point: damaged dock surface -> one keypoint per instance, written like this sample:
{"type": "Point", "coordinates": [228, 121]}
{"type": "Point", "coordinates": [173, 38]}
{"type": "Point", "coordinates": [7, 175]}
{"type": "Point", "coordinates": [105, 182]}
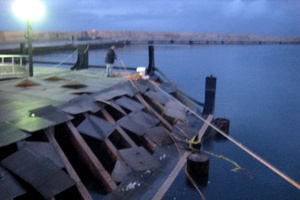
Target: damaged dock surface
{"type": "Point", "coordinates": [66, 133]}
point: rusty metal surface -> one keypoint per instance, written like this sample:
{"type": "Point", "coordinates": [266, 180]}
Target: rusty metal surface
{"type": "Point", "coordinates": [156, 95]}
{"type": "Point", "coordinates": [175, 110]}
{"type": "Point", "coordinates": [138, 122]}
{"type": "Point", "coordinates": [51, 113]}
{"type": "Point", "coordinates": [159, 135]}
{"type": "Point", "coordinates": [81, 104]}
{"type": "Point", "coordinates": [10, 134]}
{"type": "Point", "coordinates": [32, 124]}
{"type": "Point", "coordinates": [74, 84]}
{"type": "Point", "coordinates": [139, 159]}
{"type": "Point", "coordinates": [168, 87]}
{"type": "Point", "coordinates": [40, 172]}
{"type": "Point", "coordinates": [116, 91]}
{"type": "Point", "coordinates": [44, 149]}
{"type": "Point", "coordinates": [18, 100]}
{"type": "Point", "coordinates": [114, 105]}
{"type": "Point", "coordinates": [142, 86]}
{"type": "Point", "coordinates": [9, 187]}
{"type": "Point", "coordinates": [96, 127]}
{"type": "Point", "coordinates": [129, 104]}
{"type": "Point", "coordinates": [111, 94]}
{"type": "Point", "coordinates": [53, 104]}
{"type": "Point", "coordinates": [120, 171]}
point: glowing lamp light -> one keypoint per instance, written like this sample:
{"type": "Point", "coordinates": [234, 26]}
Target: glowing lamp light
{"type": "Point", "coordinates": [28, 9]}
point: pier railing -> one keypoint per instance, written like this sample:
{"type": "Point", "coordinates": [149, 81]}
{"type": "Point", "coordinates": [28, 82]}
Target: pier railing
{"type": "Point", "coordinates": [13, 66]}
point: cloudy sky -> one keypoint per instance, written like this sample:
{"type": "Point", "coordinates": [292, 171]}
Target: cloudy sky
{"type": "Point", "coordinates": [263, 17]}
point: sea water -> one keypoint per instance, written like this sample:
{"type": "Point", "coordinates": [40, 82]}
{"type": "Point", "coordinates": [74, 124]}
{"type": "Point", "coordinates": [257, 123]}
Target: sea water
{"type": "Point", "coordinates": [258, 90]}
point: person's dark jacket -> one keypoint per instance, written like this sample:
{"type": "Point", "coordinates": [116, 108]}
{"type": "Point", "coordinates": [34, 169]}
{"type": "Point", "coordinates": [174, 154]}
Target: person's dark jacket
{"type": "Point", "coordinates": [110, 56]}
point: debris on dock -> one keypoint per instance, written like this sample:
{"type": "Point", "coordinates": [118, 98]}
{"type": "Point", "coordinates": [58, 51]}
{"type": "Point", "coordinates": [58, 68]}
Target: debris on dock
{"type": "Point", "coordinates": [73, 133]}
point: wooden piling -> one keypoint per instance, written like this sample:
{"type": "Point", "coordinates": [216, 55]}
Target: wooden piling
{"type": "Point", "coordinates": [197, 165]}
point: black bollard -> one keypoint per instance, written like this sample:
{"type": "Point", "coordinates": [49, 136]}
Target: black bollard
{"type": "Point", "coordinates": [151, 68]}
{"type": "Point", "coordinates": [82, 58]}
{"type": "Point", "coordinates": [210, 94]}
{"type": "Point", "coordinates": [198, 165]}
{"type": "Point", "coordinates": [224, 125]}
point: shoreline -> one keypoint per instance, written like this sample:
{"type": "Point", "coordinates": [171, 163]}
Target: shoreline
{"type": "Point", "coordinates": [13, 37]}
{"type": "Point", "coordinates": [47, 47]}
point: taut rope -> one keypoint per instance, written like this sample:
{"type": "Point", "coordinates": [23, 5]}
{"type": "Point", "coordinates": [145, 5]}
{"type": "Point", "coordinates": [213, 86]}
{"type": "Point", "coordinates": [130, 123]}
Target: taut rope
{"type": "Point", "coordinates": [261, 160]}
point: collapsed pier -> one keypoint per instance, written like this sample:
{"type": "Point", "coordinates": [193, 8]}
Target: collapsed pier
{"type": "Point", "coordinates": [75, 134]}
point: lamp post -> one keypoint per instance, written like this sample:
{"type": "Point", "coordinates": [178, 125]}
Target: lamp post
{"type": "Point", "coordinates": [30, 50]}
{"type": "Point", "coordinates": [29, 10]}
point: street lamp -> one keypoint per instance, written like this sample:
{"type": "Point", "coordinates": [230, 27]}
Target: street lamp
{"type": "Point", "coordinates": [29, 10]}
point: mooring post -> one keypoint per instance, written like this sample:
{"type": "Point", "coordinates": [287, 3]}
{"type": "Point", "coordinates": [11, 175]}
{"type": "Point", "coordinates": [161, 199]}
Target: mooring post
{"type": "Point", "coordinates": [210, 94]}
{"type": "Point", "coordinates": [151, 68]}
{"type": "Point", "coordinates": [23, 52]}
{"type": "Point", "coordinates": [197, 168]}
{"type": "Point", "coordinates": [82, 58]}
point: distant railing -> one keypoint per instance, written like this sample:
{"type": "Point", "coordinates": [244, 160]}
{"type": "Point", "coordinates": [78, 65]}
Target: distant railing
{"type": "Point", "coordinates": [12, 66]}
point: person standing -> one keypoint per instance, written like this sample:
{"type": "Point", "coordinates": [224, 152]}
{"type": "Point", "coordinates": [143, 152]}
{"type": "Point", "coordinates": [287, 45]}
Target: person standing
{"type": "Point", "coordinates": [109, 60]}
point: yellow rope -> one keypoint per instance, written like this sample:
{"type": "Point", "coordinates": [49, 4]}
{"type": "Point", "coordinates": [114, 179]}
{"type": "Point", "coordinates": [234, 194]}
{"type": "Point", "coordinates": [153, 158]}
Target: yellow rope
{"type": "Point", "coordinates": [237, 166]}
{"type": "Point", "coordinates": [194, 140]}
{"type": "Point", "coordinates": [261, 160]}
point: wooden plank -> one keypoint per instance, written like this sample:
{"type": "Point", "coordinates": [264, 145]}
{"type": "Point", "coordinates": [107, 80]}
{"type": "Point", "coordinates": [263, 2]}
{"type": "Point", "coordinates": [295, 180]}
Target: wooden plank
{"type": "Point", "coordinates": [139, 159]}
{"type": "Point", "coordinates": [113, 151]}
{"type": "Point", "coordinates": [81, 188]}
{"type": "Point", "coordinates": [205, 126]}
{"type": "Point", "coordinates": [151, 110]}
{"type": "Point", "coordinates": [166, 185]}
{"type": "Point", "coordinates": [91, 159]}
{"type": "Point", "coordinates": [109, 118]}
{"type": "Point", "coordinates": [111, 147]}
{"type": "Point", "coordinates": [149, 143]}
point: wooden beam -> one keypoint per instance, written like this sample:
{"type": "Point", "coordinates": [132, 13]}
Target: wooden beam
{"type": "Point", "coordinates": [205, 126]}
{"type": "Point", "coordinates": [81, 188]}
{"type": "Point", "coordinates": [113, 151]}
{"type": "Point", "coordinates": [91, 159]}
{"type": "Point", "coordinates": [149, 143]}
{"type": "Point", "coordinates": [166, 185]}
{"type": "Point", "coordinates": [109, 118]}
{"type": "Point", "coordinates": [110, 146]}
{"type": "Point", "coordinates": [172, 176]}
{"type": "Point", "coordinates": [151, 110]}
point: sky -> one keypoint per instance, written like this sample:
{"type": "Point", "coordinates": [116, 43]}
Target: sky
{"type": "Point", "coordinates": [259, 17]}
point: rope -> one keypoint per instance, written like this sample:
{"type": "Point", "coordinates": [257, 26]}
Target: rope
{"type": "Point", "coordinates": [148, 107]}
{"type": "Point", "coordinates": [65, 59]}
{"type": "Point", "coordinates": [237, 166]}
{"type": "Point", "coordinates": [144, 101]}
{"type": "Point", "coordinates": [123, 65]}
{"type": "Point", "coordinates": [261, 160]}
{"type": "Point", "coordinates": [183, 93]}
{"type": "Point", "coordinates": [194, 184]}
{"type": "Point", "coordinates": [87, 48]}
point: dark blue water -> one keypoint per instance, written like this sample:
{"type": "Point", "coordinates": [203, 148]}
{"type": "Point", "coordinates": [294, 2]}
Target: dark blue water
{"type": "Point", "coordinates": [258, 90]}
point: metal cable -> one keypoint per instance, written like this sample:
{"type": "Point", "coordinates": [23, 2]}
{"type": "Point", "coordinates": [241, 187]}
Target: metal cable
{"type": "Point", "coordinates": [261, 160]}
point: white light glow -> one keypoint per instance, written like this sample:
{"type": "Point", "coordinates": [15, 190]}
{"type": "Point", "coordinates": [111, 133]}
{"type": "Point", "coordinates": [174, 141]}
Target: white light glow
{"type": "Point", "coordinates": [28, 9]}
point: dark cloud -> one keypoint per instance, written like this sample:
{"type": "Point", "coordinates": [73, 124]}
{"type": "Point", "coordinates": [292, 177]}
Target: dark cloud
{"type": "Point", "coordinates": [227, 16]}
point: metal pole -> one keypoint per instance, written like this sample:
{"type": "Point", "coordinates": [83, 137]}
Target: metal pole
{"type": "Point", "coordinates": [30, 50]}
{"type": "Point", "coordinates": [151, 67]}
